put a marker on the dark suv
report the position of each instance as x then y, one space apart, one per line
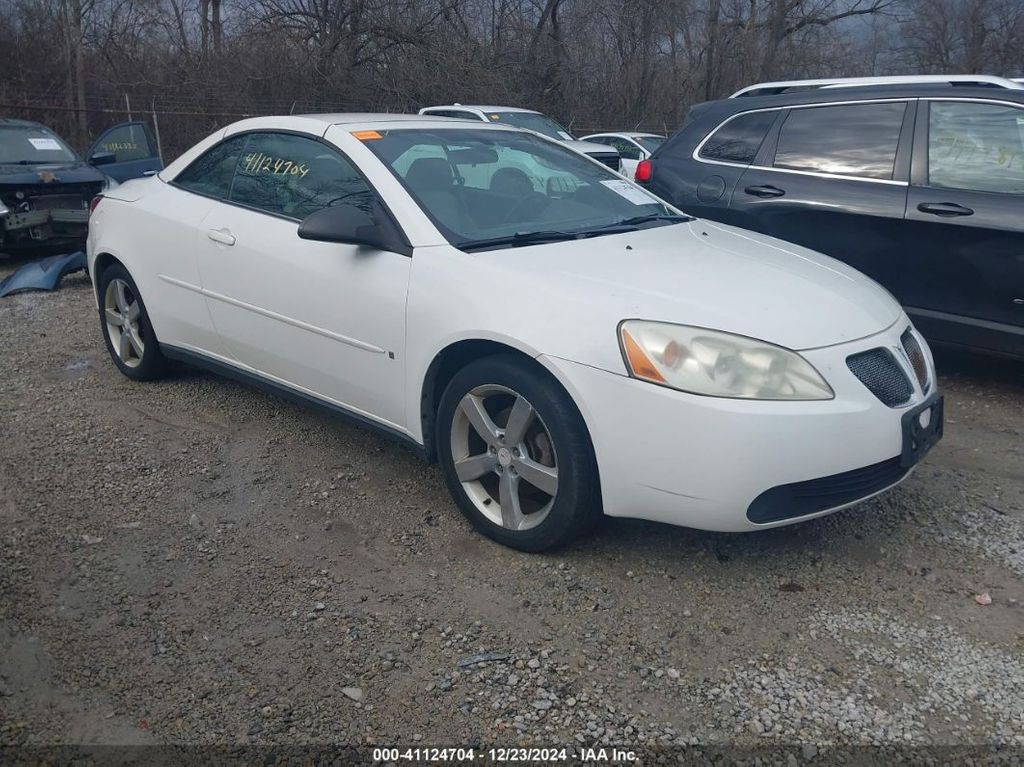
916 181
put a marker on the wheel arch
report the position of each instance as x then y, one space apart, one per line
455 356
100 264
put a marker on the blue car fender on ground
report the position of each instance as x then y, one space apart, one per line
44 274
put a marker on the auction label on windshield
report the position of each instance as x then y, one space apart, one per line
45 144
630 192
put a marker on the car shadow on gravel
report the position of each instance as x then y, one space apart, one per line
963 367
838 537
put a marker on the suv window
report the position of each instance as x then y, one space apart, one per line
292 176
739 139
976 146
851 139
212 172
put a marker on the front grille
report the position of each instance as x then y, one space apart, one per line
611 160
917 359
801 498
878 370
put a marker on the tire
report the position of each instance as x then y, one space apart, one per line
532 490
136 353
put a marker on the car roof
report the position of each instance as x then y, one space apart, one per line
13 122
484 108
349 118
626 134
319 124
868 92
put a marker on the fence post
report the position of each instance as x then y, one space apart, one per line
156 129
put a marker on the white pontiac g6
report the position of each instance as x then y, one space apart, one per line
563 343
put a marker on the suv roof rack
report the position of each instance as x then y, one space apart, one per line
767 89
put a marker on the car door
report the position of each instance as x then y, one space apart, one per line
833 178
126 151
701 179
327 319
965 221
167 219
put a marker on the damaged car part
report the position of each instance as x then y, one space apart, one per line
44 274
45 187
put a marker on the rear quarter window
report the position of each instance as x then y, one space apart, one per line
739 139
211 174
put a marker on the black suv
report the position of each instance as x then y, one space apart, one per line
916 181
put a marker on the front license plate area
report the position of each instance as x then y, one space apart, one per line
922 428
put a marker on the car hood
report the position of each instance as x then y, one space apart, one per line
64 173
697 273
591 147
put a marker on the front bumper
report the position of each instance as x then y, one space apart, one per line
702 462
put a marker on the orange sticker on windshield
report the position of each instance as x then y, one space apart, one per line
366 135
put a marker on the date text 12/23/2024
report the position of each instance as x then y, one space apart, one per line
460 754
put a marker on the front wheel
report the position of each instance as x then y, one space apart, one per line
126 328
516 455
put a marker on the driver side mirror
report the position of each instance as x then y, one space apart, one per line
102 158
349 225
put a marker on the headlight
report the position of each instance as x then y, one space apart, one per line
109 183
717 364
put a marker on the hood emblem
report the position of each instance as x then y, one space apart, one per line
47 177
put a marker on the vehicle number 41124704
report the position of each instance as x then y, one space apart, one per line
511 754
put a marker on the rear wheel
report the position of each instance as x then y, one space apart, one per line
516 455
126 328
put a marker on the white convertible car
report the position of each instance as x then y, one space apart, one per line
561 342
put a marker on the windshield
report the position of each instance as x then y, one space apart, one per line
480 185
650 143
532 121
32 145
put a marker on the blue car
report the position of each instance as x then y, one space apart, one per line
45 187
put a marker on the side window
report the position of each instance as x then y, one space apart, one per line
126 142
739 139
851 140
212 172
294 176
627 149
976 146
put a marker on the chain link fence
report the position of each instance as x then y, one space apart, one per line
178 122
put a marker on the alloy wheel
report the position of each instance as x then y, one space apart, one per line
122 311
504 457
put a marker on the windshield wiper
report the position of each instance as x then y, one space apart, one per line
530 238
519 238
637 220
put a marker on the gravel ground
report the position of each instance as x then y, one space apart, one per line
195 562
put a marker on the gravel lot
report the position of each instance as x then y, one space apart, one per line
192 561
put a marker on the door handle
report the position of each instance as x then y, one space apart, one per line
944 209
150 172
766 190
223 236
